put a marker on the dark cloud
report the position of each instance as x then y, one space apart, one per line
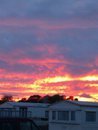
48 8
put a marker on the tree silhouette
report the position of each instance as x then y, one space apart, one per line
6 98
70 98
23 100
45 99
56 98
34 98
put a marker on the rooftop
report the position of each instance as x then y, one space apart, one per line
83 103
25 104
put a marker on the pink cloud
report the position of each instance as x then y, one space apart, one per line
53 25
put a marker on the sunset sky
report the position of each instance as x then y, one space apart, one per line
49 47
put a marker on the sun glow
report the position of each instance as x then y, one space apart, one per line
89 78
57 79
66 84
40 83
92 85
86 99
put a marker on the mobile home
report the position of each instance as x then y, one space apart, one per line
73 115
37 111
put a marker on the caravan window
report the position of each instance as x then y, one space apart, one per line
53 115
63 115
73 115
46 114
90 116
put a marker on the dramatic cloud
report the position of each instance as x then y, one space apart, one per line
49 46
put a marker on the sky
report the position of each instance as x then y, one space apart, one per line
49 47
